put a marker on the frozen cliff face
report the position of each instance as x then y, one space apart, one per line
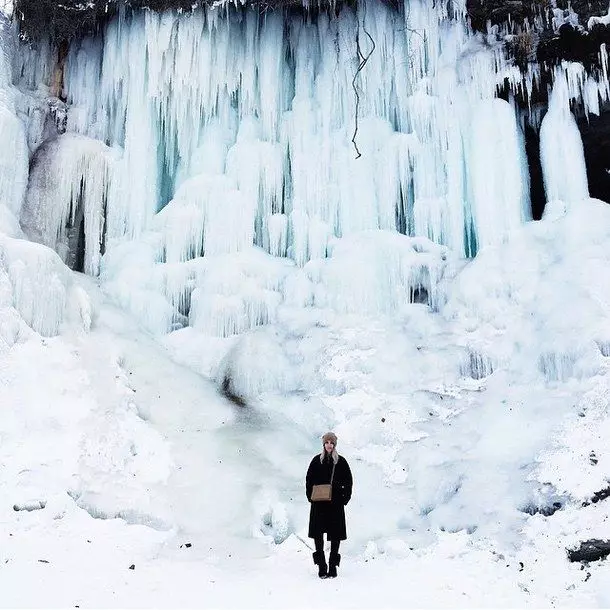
269 115
401 297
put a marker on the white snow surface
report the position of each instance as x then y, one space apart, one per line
115 455
470 396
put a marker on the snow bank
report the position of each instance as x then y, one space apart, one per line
39 286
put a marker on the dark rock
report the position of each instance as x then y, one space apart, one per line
29 506
532 152
573 44
595 133
65 20
500 11
229 392
546 510
132 566
591 550
598 496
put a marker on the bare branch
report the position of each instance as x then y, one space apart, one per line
363 59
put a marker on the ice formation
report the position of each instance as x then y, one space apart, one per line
239 163
14 152
260 115
66 199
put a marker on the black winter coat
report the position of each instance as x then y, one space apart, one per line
329 517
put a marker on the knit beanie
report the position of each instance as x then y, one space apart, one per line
330 436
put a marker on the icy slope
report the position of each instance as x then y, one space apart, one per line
107 417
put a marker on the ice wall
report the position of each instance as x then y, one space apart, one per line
250 120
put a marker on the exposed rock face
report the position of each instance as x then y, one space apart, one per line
574 44
541 40
69 19
62 22
591 550
498 12
596 142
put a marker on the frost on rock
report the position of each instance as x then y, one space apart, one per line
66 199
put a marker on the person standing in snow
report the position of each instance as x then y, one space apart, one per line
328 516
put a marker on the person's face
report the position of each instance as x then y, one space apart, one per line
329 446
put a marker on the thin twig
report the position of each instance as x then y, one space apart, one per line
303 541
363 59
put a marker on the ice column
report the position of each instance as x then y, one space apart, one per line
561 149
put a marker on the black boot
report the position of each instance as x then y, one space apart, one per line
320 561
333 561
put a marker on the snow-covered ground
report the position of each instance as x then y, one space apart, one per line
117 456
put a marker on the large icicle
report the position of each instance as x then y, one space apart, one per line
499 177
561 148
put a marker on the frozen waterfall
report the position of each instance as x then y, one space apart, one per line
238 161
264 110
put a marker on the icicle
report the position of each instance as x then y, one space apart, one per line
277 115
604 86
561 149
278 234
557 366
476 365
